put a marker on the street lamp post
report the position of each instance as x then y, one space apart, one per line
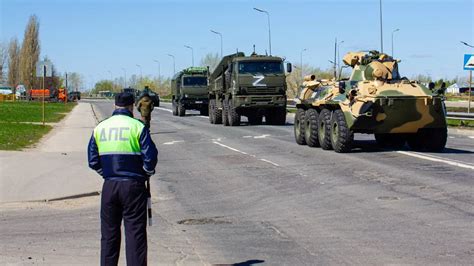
192 53
269 30
220 34
470 82
125 77
159 69
381 28
141 74
111 79
301 62
393 54
174 63
339 56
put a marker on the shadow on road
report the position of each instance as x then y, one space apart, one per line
163 132
245 263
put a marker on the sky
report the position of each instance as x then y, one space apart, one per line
101 38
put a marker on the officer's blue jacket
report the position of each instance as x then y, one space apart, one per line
121 148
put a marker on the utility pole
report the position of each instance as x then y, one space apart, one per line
339 57
125 78
335 58
141 74
301 61
269 30
159 69
470 82
381 28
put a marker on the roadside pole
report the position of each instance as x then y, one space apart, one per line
44 75
470 90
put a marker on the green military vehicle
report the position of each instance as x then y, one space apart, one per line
374 100
252 86
189 91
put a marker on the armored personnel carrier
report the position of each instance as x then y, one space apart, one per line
189 91
374 100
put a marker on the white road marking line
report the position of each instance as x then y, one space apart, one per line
230 148
173 142
451 137
471 137
163 109
246 137
270 162
446 161
261 137
201 116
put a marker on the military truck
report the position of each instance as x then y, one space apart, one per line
252 86
374 100
189 91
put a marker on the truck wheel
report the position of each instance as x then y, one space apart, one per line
212 111
174 108
234 117
311 128
393 141
181 110
299 125
255 119
204 110
324 129
279 117
225 109
341 136
217 114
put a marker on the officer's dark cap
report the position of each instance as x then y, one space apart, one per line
124 99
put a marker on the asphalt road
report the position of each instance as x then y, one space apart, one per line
250 194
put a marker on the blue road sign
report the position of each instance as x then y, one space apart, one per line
469 62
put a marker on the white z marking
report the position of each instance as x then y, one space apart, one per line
256 83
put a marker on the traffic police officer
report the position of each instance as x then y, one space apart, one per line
123 153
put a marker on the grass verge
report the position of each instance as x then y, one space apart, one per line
32 111
15 136
16 118
460 123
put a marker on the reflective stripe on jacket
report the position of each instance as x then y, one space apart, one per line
121 148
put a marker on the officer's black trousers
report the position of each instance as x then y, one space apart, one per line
127 200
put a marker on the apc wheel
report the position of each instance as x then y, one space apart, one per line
341 136
429 139
324 129
181 110
394 141
311 128
255 119
225 109
233 116
299 126
174 108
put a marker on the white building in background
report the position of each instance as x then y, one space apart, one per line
453 89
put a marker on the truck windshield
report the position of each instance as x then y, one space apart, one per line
261 67
194 81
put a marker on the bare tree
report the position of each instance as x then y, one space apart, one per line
210 60
30 51
75 81
14 63
3 60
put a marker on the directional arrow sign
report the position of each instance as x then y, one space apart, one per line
469 62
